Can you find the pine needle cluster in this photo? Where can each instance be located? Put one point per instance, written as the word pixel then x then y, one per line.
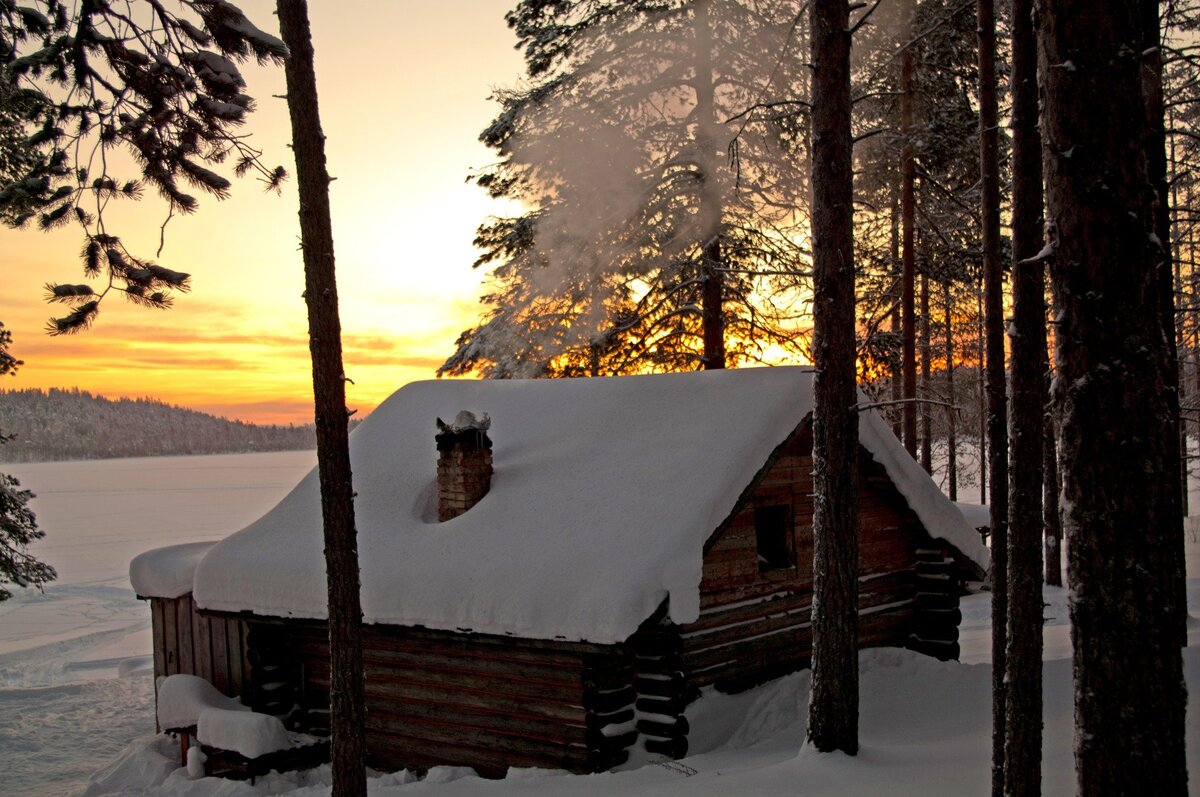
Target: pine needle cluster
pixel 79 81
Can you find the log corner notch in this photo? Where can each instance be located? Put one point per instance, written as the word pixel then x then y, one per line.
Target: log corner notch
pixel 936 615
pixel 608 700
pixel 663 691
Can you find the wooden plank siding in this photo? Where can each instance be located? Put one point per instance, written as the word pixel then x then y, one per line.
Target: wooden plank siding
pixel 754 625
pixel 186 641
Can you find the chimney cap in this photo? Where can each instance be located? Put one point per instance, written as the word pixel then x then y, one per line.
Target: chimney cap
pixel 465 421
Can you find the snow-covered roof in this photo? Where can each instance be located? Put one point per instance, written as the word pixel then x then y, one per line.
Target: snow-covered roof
pixel 167 572
pixel 605 491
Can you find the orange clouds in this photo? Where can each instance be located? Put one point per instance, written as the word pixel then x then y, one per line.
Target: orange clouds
pixel 401 138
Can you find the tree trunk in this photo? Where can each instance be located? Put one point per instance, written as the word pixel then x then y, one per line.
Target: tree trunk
pixel 329 392
pixel 1194 283
pixel 1156 165
pixel 982 387
pixel 1023 711
pixel 1051 521
pixel 908 232
pixel 1119 489
pixel 833 710
pixel 712 318
pixel 997 416
pixel 1180 347
pixel 926 373
pixel 951 398
pixel 896 298
pixel 1181 350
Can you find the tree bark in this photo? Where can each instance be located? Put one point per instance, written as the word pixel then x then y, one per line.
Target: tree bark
pixel 329 392
pixel 896 299
pixel 951 397
pixel 1156 165
pixel 982 387
pixel 712 317
pixel 1119 488
pixel 926 374
pixel 908 232
pixel 997 415
pixel 1051 521
pixel 833 710
pixel 1023 711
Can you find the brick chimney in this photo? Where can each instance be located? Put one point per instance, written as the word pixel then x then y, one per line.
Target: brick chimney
pixel 464 471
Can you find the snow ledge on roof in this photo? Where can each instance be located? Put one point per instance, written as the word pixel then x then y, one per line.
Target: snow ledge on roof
pixel 167 572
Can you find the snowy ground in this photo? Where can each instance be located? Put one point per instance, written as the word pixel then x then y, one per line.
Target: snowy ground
pixel 76 699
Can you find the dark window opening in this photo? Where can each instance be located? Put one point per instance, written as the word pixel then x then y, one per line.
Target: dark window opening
pixel 772 528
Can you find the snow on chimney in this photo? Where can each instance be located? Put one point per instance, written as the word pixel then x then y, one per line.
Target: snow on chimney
pixel 464 471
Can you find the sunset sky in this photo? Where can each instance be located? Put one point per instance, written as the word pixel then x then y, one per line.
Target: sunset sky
pixel 403 90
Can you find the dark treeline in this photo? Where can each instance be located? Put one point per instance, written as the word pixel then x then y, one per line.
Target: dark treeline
pixel 73 424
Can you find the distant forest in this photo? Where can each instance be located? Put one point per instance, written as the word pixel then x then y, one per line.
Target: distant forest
pixel 73 424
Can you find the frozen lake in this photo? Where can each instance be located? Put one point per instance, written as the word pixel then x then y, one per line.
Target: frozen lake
pixel 74 683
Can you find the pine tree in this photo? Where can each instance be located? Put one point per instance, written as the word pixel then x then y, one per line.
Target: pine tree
pixel 932 126
pixel 18 525
pixel 79 82
pixel 18 528
pixel 656 155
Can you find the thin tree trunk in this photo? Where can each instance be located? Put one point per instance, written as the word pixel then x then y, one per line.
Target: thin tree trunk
pixel 1120 490
pixel 993 287
pixel 1194 296
pixel 1181 333
pixel 1156 165
pixel 951 398
pixel 926 373
pixel 1195 283
pixel 833 709
pixel 1023 712
pixel 896 297
pixel 982 388
pixel 713 319
pixel 329 392
pixel 908 231
pixel 1051 521
pixel 1051 480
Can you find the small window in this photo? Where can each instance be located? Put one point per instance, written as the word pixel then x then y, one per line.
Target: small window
pixel 772 527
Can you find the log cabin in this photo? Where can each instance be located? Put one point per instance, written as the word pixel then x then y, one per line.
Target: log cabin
pixel 551 578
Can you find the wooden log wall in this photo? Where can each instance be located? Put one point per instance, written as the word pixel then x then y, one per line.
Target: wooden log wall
pixel 476 700
pixel 755 625
pixel 186 641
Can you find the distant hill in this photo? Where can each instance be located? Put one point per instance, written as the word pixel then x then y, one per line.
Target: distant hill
pixel 73 424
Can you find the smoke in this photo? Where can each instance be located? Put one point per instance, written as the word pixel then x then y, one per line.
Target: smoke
pixel 626 177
